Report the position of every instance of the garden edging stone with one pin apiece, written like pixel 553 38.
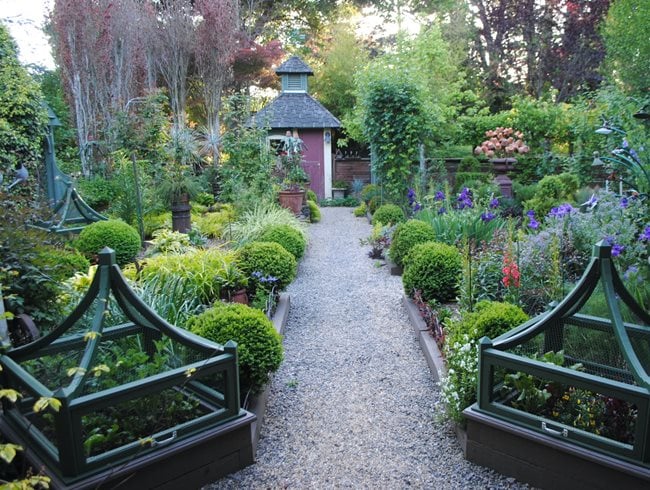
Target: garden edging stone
pixel 257 405
pixel 427 343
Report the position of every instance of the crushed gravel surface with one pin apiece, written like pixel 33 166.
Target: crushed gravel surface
pixel 354 404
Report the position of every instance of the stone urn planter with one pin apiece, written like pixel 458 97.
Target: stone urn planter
pixel 501 166
pixel 292 200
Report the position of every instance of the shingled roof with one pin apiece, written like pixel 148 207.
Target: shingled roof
pixel 295 110
pixel 294 65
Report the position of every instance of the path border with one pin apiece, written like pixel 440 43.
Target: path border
pixel 258 403
pixel 427 343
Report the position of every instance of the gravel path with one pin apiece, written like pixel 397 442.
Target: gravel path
pixel 353 404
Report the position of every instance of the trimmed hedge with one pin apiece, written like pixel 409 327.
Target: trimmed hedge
pixel 406 236
pixel 434 269
pixel 113 233
pixel 259 345
pixel 314 212
pixel 287 236
pixel 388 214
pixel 269 260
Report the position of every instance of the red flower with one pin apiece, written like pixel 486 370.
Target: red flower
pixel 510 272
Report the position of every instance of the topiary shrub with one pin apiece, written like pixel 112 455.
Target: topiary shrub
pixel 267 259
pixel 288 237
pixel 311 196
pixel 361 210
pixel 116 234
pixel 492 318
pixel 259 345
pixel 388 214
pixel 434 269
pixel 61 263
pixel 314 212
pixel 406 236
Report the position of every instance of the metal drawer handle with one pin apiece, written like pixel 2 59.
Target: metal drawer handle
pixel 563 432
pixel 165 441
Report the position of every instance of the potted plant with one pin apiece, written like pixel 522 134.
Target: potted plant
pixel 233 283
pixel 501 147
pixel 291 174
pixel 177 187
pixel 339 189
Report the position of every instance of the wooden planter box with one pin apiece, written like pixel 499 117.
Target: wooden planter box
pixel 191 463
pixel 545 461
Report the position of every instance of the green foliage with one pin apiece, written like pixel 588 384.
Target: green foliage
pixel 98 192
pixel 314 212
pixel 246 167
pixel 346 202
pixel 268 259
pixel 388 214
pixel 406 236
pixel 204 199
pixel 551 191
pixel 434 269
pixel 115 234
pixel 374 203
pixel 454 227
pixel 215 224
pixel 169 242
pixel 342 55
pixel 393 121
pixel 61 263
pixel 156 221
pixel 177 286
pixel 22 118
pixel 488 319
pixel 311 196
pixel 361 210
pixel 287 236
pixel 252 223
pixel 259 346
pixel 368 192
pixel 626 43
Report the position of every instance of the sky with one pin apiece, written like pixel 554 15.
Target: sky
pixel 25 19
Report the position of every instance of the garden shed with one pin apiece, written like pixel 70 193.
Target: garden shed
pixel 296 111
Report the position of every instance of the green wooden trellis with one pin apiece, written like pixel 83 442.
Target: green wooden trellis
pixel 209 375
pixel 626 377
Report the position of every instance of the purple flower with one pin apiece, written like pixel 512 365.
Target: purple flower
pixel 417 206
pixel 440 196
pixel 617 250
pixel 442 210
pixel 561 210
pixel 410 194
pixel 494 203
pixel 625 143
pixel 624 203
pixel 645 235
pixel 486 217
pixel 533 223
pixel 530 213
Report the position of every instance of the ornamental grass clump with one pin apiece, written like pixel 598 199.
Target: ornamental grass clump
pixel 259 345
pixel 115 234
pixel 406 236
pixel 292 240
pixel 433 269
pixel 269 260
pixel 250 225
pixel 314 212
pixel 388 214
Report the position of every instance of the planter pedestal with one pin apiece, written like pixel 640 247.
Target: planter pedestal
pixel 181 217
pixel 292 200
pixel 501 167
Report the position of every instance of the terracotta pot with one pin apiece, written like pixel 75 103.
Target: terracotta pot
pixel 240 297
pixel 292 200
